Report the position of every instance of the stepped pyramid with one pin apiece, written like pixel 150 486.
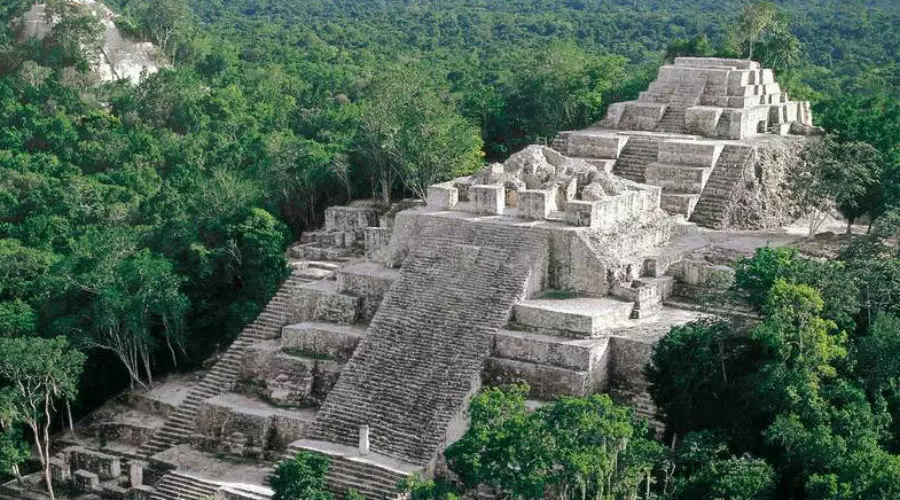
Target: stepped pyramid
pixel 711 132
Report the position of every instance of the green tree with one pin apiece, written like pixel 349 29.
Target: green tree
pixel 692 373
pixel 571 449
pixel 410 132
pixel 17 319
pixel 129 299
pixel 756 20
pixel 39 373
pixel 14 451
pixel 167 22
pixel 834 175
pixel 733 478
pixel 301 477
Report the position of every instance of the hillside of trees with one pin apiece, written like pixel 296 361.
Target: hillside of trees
pixel 141 227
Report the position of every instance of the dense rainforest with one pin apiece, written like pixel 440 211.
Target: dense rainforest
pixel 141 227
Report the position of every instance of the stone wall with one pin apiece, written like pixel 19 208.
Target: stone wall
pixel 411 376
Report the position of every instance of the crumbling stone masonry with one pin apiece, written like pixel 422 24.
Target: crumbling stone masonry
pixel 714 134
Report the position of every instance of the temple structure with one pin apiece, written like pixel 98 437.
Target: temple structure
pixel 560 267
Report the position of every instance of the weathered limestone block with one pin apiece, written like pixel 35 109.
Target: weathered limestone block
pixel 647 294
pixel 642 115
pixel 105 466
pixel 692 153
pixel 702 274
pixel 442 196
pixel 546 382
pixel 377 239
pixel 60 471
pixel 613 117
pixel 350 218
pixel 245 426
pixel 592 144
pixel 245 432
pixel 608 211
pixel 369 282
pixel 320 301
pixel 136 473
pixel 488 199
pixel 142 492
pixel 295 380
pixel 534 204
pixel 322 339
pixel 86 482
pixel 579 355
pixel 702 120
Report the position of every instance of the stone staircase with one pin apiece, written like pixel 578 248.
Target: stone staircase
pixel 373 476
pixel 428 341
pixel 633 160
pixel 687 94
pixel 711 209
pixel 343 235
pixel 176 486
pixel 180 426
pixel 682 169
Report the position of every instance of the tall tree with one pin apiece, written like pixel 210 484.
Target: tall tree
pixel 39 373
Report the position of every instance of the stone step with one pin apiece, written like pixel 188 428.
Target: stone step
pixel 546 382
pixel 577 317
pixel 323 339
pixel 677 178
pixel 551 350
pixel 374 476
pixel 676 203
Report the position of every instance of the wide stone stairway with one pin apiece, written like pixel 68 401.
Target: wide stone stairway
pixel 425 347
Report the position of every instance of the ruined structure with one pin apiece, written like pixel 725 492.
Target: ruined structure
pixel 116 57
pixel 560 268
pixel 715 134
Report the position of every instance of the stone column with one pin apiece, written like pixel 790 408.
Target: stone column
pixel 363 440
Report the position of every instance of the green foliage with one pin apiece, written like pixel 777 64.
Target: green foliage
pixel 431 489
pixel 409 132
pixel 17 319
pixel 301 477
pixel 733 478
pixel 695 375
pixel 838 175
pixel 13 450
pixel 573 448
pixel 755 276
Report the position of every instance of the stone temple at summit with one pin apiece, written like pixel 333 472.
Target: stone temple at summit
pixel 560 268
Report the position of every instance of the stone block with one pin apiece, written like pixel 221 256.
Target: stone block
pixel 546 382
pixel 86 482
pixel 488 199
pixel 60 471
pixel 613 116
pixel 322 339
pixel 578 355
pixel 142 492
pixel 105 466
pixel 136 474
pixel 716 62
pixel 376 239
pixel 702 120
pixel 534 204
pixel 690 153
pixel 593 144
pixel 352 219
pixel 442 196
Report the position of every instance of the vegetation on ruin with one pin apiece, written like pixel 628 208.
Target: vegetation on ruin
pixel 301 477
pixel 146 225
pixel 812 390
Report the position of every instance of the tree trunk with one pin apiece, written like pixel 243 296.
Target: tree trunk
pixel 849 226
